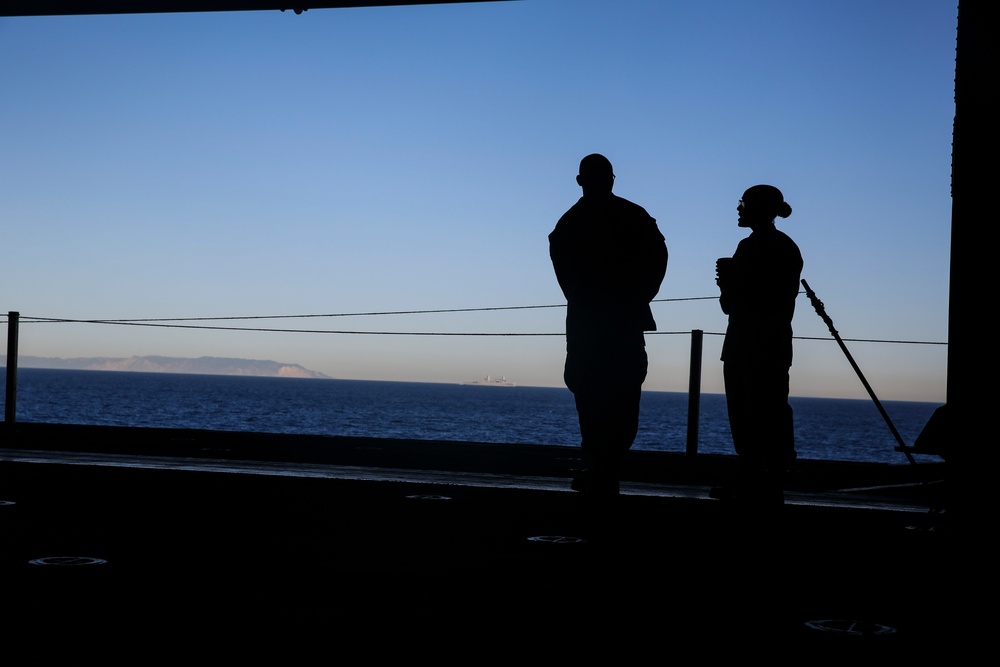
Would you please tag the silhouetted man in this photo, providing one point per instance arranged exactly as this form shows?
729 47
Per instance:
758 286
609 258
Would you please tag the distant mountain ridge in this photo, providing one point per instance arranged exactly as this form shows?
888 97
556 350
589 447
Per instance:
157 364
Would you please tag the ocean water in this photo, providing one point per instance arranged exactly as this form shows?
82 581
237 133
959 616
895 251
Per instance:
826 429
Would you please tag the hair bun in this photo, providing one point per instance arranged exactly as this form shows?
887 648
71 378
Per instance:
768 199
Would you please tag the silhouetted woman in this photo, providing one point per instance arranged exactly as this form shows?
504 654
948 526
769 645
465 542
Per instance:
758 286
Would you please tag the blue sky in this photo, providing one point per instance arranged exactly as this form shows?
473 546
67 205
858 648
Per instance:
405 159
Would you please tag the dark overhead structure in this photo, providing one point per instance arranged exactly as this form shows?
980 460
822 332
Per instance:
81 7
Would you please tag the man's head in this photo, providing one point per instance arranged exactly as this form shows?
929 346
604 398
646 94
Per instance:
596 174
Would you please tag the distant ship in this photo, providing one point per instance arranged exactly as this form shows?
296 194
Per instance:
490 381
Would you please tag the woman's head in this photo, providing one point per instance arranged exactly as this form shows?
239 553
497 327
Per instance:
762 203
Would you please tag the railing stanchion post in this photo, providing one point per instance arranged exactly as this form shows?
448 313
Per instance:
694 392
10 401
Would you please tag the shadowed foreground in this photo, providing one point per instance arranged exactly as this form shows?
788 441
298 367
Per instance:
243 545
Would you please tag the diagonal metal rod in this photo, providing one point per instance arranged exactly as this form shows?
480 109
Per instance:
821 311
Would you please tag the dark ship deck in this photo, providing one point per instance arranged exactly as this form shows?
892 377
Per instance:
243 543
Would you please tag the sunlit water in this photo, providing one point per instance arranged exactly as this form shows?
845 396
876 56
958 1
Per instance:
826 429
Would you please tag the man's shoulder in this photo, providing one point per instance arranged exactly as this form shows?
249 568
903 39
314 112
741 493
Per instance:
626 203
622 208
575 209
630 209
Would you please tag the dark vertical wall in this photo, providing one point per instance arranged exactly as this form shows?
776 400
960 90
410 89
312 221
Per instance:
973 281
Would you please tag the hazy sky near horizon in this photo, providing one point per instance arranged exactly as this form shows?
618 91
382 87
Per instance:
378 183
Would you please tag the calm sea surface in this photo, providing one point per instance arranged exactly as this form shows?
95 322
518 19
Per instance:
826 429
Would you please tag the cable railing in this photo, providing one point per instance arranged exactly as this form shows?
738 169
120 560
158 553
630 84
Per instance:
198 323
14 319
